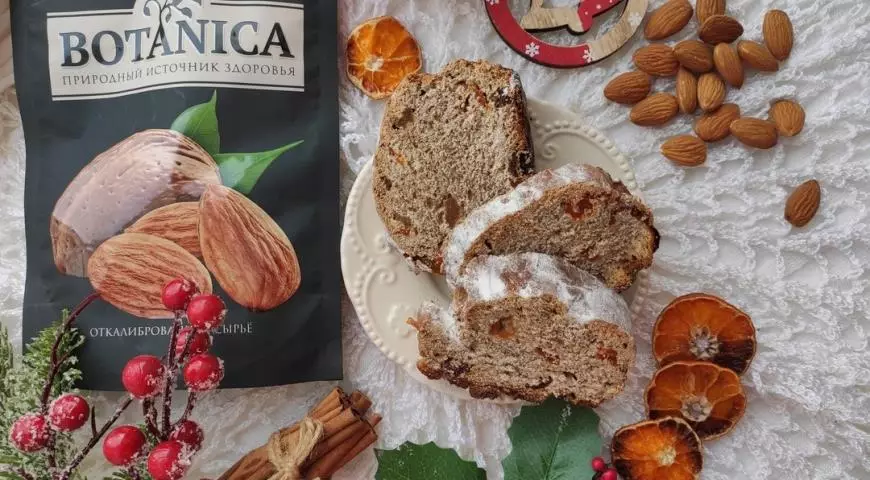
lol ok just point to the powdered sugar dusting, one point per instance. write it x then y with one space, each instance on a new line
530 275
464 234
436 313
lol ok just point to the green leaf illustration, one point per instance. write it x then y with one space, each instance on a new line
418 462
200 123
552 441
242 170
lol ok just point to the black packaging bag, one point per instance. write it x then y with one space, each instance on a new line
159 131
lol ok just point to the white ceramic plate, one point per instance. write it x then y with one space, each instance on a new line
382 287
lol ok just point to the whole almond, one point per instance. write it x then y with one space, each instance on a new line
668 19
707 8
778 34
728 64
755 132
687 91
685 150
177 222
657 109
656 59
788 116
694 55
715 126
130 270
720 29
803 203
248 253
711 91
757 56
628 88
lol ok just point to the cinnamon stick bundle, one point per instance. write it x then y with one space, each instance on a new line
345 428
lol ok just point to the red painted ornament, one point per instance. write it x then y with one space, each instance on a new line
124 445
169 460
177 293
189 433
143 376
577 19
30 433
203 372
69 412
206 311
200 341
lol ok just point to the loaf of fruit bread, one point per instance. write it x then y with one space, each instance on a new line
576 212
529 326
449 143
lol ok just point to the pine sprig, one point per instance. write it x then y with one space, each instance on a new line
123 475
21 386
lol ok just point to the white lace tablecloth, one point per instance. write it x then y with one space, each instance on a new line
722 232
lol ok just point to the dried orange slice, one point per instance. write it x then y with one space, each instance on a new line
703 327
707 396
380 54
656 450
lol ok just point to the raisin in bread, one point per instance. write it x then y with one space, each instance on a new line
576 212
449 143
529 326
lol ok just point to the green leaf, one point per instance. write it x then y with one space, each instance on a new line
552 441
416 462
200 123
241 171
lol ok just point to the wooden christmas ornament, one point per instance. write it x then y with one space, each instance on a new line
577 19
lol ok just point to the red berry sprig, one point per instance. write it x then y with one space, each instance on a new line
124 445
167 456
69 412
189 433
169 460
206 311
30 433
143 376
177 294
203 372
200 342
602 470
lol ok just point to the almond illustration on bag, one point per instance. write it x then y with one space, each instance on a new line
246 250
164 190
143 172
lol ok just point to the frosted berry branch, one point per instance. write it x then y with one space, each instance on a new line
55 364
65 475
16 471
169 378
167 454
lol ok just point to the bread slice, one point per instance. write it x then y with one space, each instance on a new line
449 143
529 326
576 212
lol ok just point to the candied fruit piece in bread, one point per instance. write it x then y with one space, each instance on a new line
449 143
529 326
576 212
